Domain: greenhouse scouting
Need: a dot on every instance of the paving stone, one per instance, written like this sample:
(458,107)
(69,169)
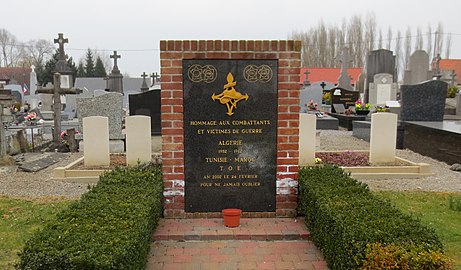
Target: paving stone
(44,161)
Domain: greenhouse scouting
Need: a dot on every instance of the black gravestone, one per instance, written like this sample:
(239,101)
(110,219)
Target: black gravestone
(147,103)
(230,134)
(343,96)
(423,102)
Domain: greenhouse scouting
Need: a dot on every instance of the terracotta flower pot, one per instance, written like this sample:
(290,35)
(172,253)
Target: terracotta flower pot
(231,217)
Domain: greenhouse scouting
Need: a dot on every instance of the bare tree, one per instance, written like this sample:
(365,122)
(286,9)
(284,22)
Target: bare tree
(380,39)
(439,39)
(39,51)
(389,38)
(407,46)
(419,42)
(354,39)
(11,49)
(448,46)
(398,51)
(429,41)
(370,33)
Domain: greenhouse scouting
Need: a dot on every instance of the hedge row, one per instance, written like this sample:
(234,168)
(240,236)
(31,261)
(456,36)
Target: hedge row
(110,227)
(356,230)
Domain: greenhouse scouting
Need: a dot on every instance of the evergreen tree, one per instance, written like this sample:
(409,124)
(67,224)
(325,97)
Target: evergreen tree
(99,70)
(45,74)
(80,70)
(89,65)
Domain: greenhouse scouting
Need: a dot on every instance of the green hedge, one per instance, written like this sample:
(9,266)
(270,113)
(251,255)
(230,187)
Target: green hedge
(110,227)
(356,230)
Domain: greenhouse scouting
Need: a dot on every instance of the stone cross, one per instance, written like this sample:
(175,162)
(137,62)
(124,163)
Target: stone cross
(6,99)
(61,41)
(453,77)
(436,65)
(344,81)
(115,56)
(144,86)
(323,84)
(154,77)
(306,81)
(57,91)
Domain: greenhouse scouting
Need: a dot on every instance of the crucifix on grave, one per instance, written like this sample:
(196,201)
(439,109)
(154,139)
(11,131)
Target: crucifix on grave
(115,78)
(144,86)
(155,77)
(323,84)
(61,65)
(306,81)
(344,81)
(56,90)
(453,77)
(6,100)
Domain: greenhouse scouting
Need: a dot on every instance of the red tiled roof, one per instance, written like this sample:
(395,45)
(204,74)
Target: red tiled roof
(16,74)
(452,64)
(328,74)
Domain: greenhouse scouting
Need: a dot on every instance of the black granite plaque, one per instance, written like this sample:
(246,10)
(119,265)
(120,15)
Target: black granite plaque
(147,103)
(343,96)
(424,101)
(230,134)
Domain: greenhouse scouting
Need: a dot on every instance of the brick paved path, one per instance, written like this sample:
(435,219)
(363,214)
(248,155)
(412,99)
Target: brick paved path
(267,243)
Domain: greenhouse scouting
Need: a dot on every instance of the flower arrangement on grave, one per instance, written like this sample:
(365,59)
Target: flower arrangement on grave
(312,106)
(326,98)
(64,137)
(381,108)
(31,118)
(361,106)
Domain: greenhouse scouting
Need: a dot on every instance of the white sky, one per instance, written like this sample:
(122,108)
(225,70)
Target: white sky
(141,24)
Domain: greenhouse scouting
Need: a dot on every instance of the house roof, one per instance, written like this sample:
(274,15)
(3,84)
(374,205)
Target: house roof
(452,64)
(328,74)
(16,75)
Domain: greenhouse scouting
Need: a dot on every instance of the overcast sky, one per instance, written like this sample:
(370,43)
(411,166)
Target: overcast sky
(135,27)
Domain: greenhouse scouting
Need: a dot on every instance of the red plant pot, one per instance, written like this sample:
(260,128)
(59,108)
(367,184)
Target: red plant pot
(231,217)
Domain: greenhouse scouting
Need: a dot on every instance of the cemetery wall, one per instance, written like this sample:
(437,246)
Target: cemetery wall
(171,56)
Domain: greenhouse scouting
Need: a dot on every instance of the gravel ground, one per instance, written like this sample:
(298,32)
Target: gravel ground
(444,180)
(39,184)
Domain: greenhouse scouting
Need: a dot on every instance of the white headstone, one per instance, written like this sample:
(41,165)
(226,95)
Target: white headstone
(96,141)
(138,139)
(383,89)
(307,136)
(383,138)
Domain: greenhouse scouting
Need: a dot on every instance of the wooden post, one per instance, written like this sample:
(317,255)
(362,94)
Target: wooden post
(73,146)
(57,107)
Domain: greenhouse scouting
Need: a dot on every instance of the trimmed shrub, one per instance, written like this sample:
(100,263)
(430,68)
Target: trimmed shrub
(110,227)
(356,230)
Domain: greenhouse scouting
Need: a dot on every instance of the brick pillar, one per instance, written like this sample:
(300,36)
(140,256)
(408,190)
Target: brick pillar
(172,52)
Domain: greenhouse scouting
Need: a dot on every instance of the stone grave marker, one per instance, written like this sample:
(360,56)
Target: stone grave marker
(383,89)
(138,140)
(383,138)
(71,103)
(6,100)
(423,102)
(339,108)
(418,70)
(344,97)
(344,80)
(312,92)
(108,105)
(96,141)
(148,104)
(379,61)
(307,138)
(115,78)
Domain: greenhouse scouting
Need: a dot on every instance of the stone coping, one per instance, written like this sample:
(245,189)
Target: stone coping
(408,170)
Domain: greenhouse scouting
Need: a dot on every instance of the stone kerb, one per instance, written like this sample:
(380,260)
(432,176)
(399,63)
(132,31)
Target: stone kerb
(96,141)
(288,54)
(138,139)
(383,138)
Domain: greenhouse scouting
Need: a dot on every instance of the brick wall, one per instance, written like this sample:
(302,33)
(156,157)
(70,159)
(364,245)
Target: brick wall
(172,52)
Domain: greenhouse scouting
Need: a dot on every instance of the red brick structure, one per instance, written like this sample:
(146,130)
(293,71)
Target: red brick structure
(172,52)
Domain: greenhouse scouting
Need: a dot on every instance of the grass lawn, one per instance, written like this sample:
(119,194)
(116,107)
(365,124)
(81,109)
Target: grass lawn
(18,220)
(433,210)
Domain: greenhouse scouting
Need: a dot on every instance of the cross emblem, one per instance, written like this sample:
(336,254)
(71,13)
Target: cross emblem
(115,56)
(61,41)
(323,84)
